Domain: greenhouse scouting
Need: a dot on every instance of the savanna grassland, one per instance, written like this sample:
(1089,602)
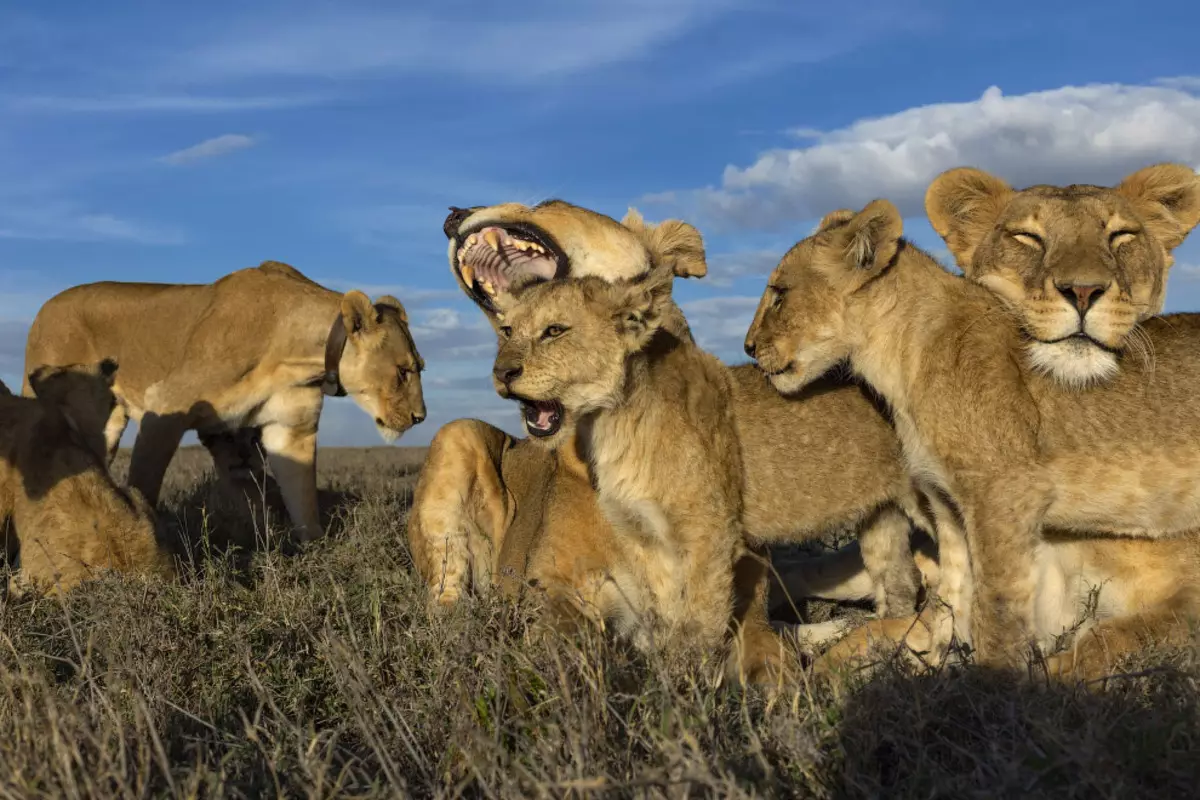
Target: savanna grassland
(320,674)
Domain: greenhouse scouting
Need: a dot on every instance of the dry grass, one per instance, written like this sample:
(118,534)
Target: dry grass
(321,675)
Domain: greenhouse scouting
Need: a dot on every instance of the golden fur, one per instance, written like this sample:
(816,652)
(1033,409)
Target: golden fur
(489,507)
(244,352)
(654,416)
(1014,451)
(1080,265)
(69,519)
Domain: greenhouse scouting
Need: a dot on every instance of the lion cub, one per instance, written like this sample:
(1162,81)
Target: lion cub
(656,429)
(1014,449)
(71,520)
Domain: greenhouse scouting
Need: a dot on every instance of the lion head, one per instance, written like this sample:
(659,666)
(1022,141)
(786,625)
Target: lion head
(83,394)
(1080,265)
(565,346)
(497,250)
(380,367)
(801,327)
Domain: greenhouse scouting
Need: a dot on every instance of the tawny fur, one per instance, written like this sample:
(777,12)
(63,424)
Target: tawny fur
(1014,450)
(1071,259)
(655,420)
(244,352)
(488,506)
(70,520)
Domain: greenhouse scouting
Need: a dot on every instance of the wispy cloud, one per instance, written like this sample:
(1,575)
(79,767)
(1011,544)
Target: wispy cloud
(210,148)
(1095,133)
(552,39)
(151,103)
(51,221)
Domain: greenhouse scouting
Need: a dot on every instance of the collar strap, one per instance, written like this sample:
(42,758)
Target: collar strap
(331,382)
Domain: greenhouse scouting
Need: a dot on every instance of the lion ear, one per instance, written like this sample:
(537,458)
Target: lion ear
(1168,198)
(872,236)
(107,370)
(833,219)
(391,302)
(358,315)
(962,205)
(674,243)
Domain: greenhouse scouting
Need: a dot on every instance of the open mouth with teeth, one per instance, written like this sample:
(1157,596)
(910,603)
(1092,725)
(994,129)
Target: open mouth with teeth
(495,259)
(542,417)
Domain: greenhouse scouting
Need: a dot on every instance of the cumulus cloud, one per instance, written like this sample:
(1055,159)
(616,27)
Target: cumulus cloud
(1074,134)
(724,268)
(719,324)
(210,148)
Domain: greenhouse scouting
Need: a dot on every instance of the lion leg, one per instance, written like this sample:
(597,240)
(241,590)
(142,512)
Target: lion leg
(1098,648)
(461,509)
(292,454)
(839,576)
(758,654)
(157,440)
(916,634)
(114,429)
(1003,525)
(887,556)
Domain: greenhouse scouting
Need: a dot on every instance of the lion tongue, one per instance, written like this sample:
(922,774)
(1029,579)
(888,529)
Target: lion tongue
(542,416)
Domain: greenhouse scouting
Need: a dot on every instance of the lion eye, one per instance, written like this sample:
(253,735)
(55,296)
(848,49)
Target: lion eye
(777,298)
(402,373)
(1118,238)
(506,332)
(1030,239)
(553,332)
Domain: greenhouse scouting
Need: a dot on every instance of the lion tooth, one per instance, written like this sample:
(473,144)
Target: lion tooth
(499,316)
(470,242)
(492,239)
(520,244)
(468,274)
(487,287)
(536,246)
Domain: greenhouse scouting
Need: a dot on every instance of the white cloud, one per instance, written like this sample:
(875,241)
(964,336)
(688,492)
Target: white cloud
(719,324)
(210,148)
(724,268)
(1074,134)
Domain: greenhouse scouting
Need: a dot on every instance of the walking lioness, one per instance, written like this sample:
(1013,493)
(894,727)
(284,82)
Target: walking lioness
(258,348)
(1015,449)
(654,418)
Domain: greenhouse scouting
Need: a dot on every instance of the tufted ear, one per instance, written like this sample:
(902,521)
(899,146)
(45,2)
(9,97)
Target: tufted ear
(674,244)
(871,237)
(358,315)
(391,302)
(1168,198)
(833,219)
(963,205)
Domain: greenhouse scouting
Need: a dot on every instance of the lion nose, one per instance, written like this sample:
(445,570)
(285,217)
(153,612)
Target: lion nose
(750,348)
(418,418)
(1082,296)
(453,220)
(507,374)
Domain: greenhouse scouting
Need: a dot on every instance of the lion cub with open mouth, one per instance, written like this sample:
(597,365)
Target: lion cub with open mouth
(656,429)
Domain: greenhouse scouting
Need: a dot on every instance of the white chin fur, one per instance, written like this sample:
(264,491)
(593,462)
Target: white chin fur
(1075,364)
(388,435)
(788,382)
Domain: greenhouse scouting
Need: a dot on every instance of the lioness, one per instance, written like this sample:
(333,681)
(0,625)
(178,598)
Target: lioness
(1014,450)
(1080,265)
(655,419)
(488,504)
(69,517)
(258,348)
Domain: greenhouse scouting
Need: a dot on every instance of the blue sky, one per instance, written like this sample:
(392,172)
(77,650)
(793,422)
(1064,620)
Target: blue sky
(179,142)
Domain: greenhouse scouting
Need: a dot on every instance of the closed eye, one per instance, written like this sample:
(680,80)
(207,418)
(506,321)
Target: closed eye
(777,297)
(1028,238)
(1118,238)
(554,331)
(506,331)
